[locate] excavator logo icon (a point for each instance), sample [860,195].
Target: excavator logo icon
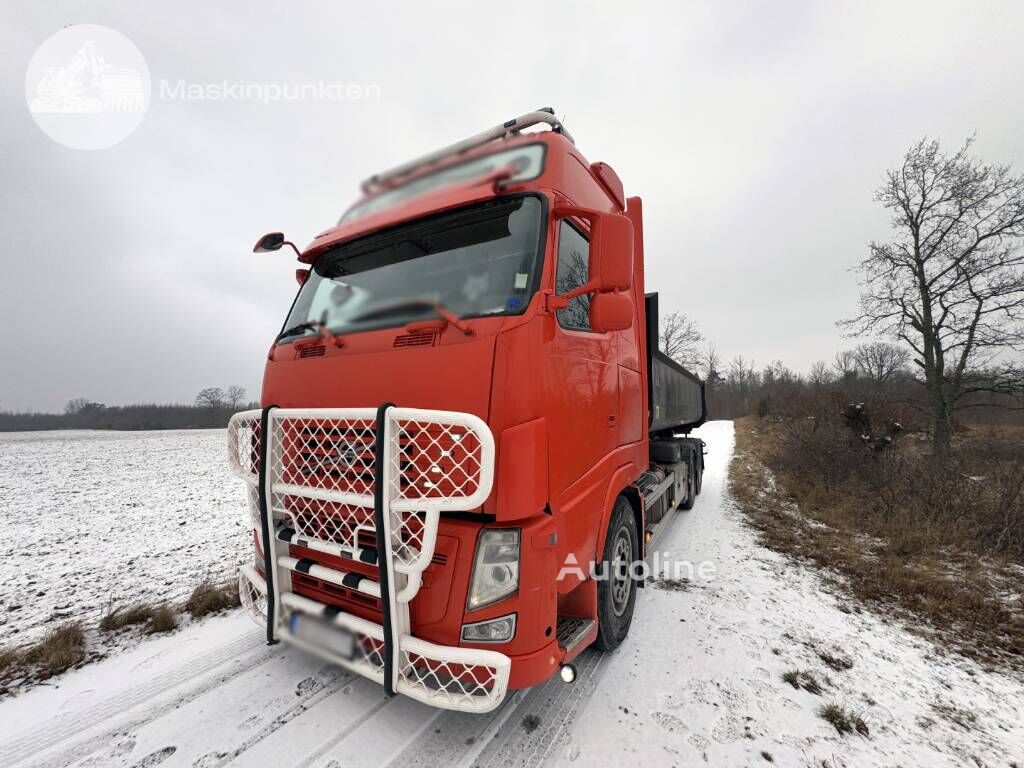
[87,87]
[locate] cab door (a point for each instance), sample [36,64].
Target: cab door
[581,387]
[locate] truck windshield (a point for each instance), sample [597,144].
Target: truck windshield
[474,262]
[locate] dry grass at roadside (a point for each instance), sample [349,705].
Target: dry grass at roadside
[9,660]
[970,601]
[66,646]
[802,678]
[836,662]
[209,597]
[956,715]
[117,618]
[164,619]
[843,719]
[61,649]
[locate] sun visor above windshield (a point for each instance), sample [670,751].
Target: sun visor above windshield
[432,203]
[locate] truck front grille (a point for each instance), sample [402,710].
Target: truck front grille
[330,456]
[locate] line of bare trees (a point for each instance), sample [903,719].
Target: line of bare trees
[215,399]
[873,370]
[942,301]
[212,408]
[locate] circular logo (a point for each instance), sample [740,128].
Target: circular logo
[87,87]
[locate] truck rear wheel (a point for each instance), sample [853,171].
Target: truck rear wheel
[616,594]
[691,484]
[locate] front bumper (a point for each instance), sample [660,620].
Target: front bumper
[448,677]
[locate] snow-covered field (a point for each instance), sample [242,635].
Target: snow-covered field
[91,517]
[698,682]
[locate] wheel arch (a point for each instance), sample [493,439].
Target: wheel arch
[621,484]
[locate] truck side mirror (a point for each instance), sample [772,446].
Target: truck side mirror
[611,248]
[611,312]
[611,253]
[272,241]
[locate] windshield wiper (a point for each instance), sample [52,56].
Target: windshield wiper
[294,329]
[320,328]
[440,309]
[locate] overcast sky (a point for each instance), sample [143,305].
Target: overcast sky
[756,134]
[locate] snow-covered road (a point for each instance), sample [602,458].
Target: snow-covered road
[698,681]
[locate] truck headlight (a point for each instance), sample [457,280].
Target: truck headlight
[496,567]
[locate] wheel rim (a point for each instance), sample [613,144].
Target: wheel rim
[622,584]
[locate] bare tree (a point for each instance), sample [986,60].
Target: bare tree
[711,363]
[83,406]
[844,365]
[211,399]
[742,375]
[234,396]
[77,405]
[680,338]
[819,375]
[880,361]
[776,372]
[950,284]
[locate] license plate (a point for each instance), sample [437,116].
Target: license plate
[339,641]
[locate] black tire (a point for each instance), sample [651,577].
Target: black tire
[617,598]
[691,484]
[700,473]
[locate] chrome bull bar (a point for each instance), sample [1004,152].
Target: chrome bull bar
[369,485]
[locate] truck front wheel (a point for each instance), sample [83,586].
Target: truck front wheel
[616,592]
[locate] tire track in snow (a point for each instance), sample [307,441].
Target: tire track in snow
[241,654]
[507,736]
[454,738]
[542,722]
[323,754]
[336,679]
[90,752]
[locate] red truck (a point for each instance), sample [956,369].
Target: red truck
[468,434]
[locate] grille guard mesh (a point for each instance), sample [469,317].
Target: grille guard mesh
[321,480]
[462,679]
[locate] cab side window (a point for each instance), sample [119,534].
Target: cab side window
[573,271]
